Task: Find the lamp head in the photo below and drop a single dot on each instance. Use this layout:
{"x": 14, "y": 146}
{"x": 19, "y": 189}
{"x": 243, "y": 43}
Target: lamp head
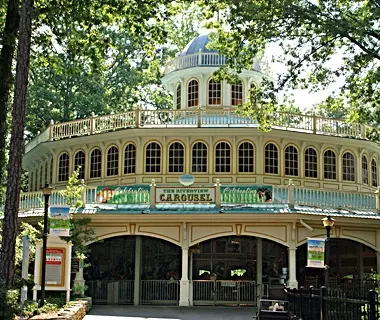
{"x": 328, "y": 222}
{"x": 47, "y": 189}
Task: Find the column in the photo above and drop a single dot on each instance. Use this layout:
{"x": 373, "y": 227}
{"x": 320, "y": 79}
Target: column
{"x": 184, "y": 282}
{"x": 259, "y": 269}
{"x": 191, "y": 279}
{"x": 292, "y": 281}
{"x": 136, "y": 293}
{"x": 377, "y": 262}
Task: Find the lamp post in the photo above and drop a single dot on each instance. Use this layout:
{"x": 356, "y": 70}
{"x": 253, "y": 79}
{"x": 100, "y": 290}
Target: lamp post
{"x": 328, "y": 223}
{"x": 47, "y": 192}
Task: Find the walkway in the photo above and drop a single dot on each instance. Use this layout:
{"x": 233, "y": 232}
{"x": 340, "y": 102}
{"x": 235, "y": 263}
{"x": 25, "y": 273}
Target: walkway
{"x": 169, "y": 313}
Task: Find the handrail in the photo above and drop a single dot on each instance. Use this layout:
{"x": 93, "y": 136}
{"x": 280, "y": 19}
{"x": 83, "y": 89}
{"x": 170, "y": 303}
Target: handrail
{"x": 197, "y": 117}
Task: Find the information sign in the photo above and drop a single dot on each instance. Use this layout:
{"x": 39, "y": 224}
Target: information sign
{"x": 315, "y": 253}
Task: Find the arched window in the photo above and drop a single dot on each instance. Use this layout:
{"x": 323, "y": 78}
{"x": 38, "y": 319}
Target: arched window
{"x": 199, "y": 158}
{"x": 246, "y": 157}
{"x": 364, "y": 170}
{"x": 178, "y": 101}
{"x": 79, "y": 161}
{"x": 222, "y": 157}
{"x": 348, "y": 167}
{"x": 96, "y": 163}
{"x": 192, "y": 95}
{"x": 176, "y": 157}
{"x": 113, "y": 161}
{"x": 374, "y": 173}
{"x": 51, "y": 170}
{"x": 214, "y": 92}
{"x": 63, "y": 167}
{"x": 236, "y": 94}
{"x": 153, "y": 157}
{"x": 291, "y": 161}
{"x": 41, "y": 176}
{"x": 311, "y": 163}
{"x": 271, "y": 158}
{"x": 46, "y": 177}
{"x": 130, "y": 159}
{"x": 329, "y": 165}
{"x": 35, "y": 181}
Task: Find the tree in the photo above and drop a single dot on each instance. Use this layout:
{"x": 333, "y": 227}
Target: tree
{"x": 7, "y": 252}
{"x": 322, "y": 42}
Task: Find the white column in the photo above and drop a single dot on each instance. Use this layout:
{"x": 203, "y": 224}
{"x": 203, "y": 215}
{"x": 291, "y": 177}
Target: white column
{"x": 68, "y": 270}
{"x": 191, "y": 279}
{"x": 292, "y": 281}
{"x": 37, "y": 269}
{"x": 136, "y": 293}
{"x": 259, "y": 268}
{"x": 184, "y": 282}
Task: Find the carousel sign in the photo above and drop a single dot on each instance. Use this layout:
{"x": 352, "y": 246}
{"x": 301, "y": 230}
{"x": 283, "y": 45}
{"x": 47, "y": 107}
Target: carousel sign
{"x": 185, "y": 195}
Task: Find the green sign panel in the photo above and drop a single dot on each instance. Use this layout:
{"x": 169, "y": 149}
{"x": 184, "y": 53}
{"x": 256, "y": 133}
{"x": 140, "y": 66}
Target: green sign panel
{"x": 123, "y": 194}
{"x": 246, "y": 194}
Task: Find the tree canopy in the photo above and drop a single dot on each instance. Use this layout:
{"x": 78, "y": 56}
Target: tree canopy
{"x": 321, "y": 43}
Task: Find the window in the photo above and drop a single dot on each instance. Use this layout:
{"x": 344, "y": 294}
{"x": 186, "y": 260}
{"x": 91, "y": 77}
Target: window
{"x": 46, "y": 180}
{"x": 178, "y": 101}
{"x": 348, "y": 167}
{"x": 364, "y": 170}
{"x": 329, "y": 165}
{"x": 153, "y": 157}
{"x": 214, "y": 93}
{"x": 63, "y": 167}
{"x": 35, "y": 181}
{"x": 374, "y": 173}
{"x": 31, "y": 186}
{"x": 291, "y": 161}
{"x": 41, "y": 176}
{"x": 199, "y": 157}
{"x": 130, "y": 159}
{"x": 96, "y": 163}
{"x": 236, "y": 94}
{"x": 271, "y": 158}
{"x": 311, "y": 163}
{"x": 113, "y": 161}
{"x": 192, "y": 96}
{"x": 176, "y": 157}
{"x": 246, "y": 157}
{"x": 222, "y": 157}
{"x": 79, "y": 161}
{"x": 51, "y": 170}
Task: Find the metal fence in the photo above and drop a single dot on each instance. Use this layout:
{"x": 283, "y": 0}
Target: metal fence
{"x": 159, "y": 292}
{"x": 317, "y": 304}
{"x": 110, "y": 292}
{"x": 219, "y": 292}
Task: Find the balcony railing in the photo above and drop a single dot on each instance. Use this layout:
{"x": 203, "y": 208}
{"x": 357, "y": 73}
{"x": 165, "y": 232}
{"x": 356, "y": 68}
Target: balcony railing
{"x": 236, "y": 196}
{"x": 208, "y": 59}
{"x": 196, "y": 117}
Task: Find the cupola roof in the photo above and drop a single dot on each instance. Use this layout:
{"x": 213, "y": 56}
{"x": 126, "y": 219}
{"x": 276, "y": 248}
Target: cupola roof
{"x": 197, "y": 44}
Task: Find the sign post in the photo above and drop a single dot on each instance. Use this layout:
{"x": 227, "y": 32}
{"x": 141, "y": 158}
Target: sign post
{"x": 25, "y": 266}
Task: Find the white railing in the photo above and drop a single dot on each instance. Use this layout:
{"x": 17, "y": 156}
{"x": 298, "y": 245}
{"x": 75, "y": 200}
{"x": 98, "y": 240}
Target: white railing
{"x": 335, "y": 199}
{"x": 207, "y": 59}
{"x": 285, "y": 195}
{"x": 197, "y": 117}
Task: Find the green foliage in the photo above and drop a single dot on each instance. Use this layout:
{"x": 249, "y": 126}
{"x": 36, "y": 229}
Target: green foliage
{"x": 52, "y": 304}
{"x": 320, "y": 42}
{"x": 72, "y": 195}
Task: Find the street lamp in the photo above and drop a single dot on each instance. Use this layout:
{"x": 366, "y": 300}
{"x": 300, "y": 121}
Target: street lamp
{"x": 47, "y": 192}
{"x": 328, "y": 223}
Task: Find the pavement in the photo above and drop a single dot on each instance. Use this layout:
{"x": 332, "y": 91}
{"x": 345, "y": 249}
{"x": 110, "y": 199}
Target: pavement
{"x": 169, "y": 313}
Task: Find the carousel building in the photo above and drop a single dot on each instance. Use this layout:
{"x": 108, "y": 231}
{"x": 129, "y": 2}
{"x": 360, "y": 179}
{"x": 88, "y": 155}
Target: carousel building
{"x": 196, "y": 206}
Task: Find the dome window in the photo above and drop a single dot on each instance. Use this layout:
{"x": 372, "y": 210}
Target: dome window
{"x": 153, "y": 158}
{"x": 214, "y": 93}
{"x": 311, "y": 163}
{"x": 365, "y": 170}
{"x": 246, "y": 157}
{"x": 222, "y": 158}
{"x": 178, "y": 98}
{"x": 176, "y": 157}
{"x": 271, "y": 158}
{"x": 130, "y": 159}
{"x": 193, "y": 92}
{"x": 236, "y": 94}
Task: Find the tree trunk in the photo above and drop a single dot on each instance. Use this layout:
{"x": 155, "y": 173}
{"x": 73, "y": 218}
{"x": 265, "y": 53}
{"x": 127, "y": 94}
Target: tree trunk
{"x": 7, "y": 252}
{"x": 6, "y": 60}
